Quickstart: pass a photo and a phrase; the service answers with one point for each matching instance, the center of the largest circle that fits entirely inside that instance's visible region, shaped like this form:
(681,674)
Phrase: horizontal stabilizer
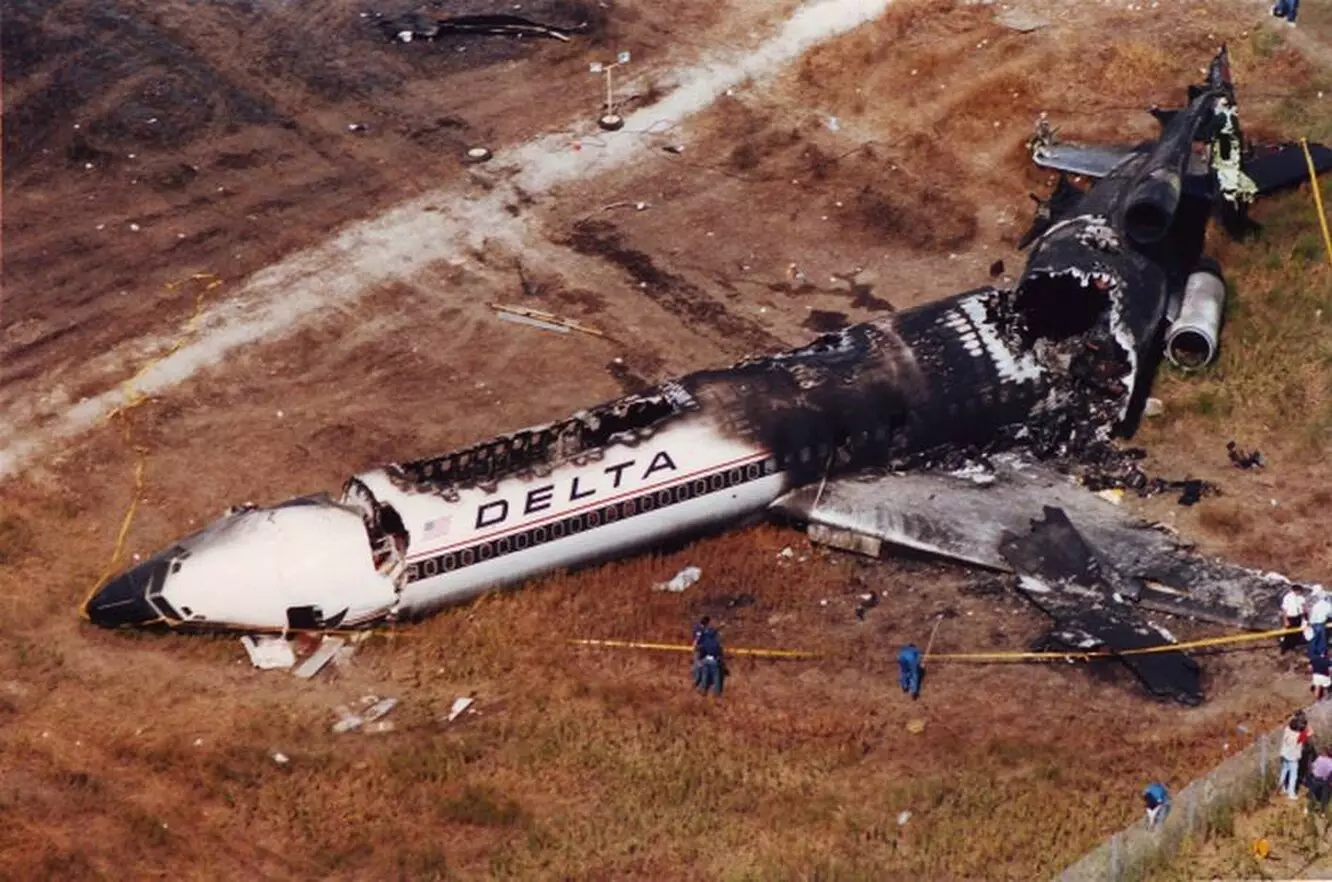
(1087,160)
(1283,166)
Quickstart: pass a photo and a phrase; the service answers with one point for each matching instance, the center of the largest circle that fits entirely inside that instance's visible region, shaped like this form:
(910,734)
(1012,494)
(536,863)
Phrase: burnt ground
(876,172)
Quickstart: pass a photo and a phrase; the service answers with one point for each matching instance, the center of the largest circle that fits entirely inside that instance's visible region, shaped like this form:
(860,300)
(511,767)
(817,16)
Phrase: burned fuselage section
(710,448)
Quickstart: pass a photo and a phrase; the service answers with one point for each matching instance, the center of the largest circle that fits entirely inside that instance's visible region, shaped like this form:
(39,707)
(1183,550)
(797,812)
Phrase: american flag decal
(437,527)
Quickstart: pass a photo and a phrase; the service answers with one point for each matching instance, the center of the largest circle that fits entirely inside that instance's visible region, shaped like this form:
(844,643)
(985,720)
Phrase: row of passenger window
(589,520)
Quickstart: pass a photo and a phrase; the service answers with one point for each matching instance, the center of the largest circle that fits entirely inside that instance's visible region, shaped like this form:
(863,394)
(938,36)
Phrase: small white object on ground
(681,580)
(268,653)
(1153,408)
(379,709)
(902,818)
(280,758)
(460,705)
(347,721)
(320,657)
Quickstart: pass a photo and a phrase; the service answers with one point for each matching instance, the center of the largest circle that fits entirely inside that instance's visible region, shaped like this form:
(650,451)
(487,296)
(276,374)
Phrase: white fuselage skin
(684,478)
(249,569)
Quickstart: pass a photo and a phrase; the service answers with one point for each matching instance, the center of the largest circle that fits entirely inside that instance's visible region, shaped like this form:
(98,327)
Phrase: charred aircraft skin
(1053,367)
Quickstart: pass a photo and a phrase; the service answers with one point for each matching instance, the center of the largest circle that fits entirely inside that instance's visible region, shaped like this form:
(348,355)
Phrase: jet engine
(1192,338)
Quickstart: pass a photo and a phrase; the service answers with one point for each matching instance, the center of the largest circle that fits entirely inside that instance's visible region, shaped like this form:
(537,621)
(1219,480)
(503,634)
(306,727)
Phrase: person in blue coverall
(1157,799)
(909,670)
(710,666)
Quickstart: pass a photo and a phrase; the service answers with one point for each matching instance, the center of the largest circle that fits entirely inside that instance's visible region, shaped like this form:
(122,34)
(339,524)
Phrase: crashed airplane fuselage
(1053,366)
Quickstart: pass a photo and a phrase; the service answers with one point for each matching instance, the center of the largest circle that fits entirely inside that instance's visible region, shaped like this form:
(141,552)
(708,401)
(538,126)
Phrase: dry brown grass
(586,763)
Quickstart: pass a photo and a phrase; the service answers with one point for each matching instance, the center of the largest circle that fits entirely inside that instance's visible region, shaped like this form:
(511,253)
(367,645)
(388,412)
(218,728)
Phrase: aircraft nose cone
(124,600)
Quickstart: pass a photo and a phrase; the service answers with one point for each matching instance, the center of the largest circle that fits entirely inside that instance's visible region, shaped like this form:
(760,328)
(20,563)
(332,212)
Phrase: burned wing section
(1091,603)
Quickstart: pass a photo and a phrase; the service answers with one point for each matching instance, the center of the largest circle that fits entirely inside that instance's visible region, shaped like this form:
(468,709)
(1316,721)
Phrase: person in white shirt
(1319,611)
(1292,616)
(1292,748)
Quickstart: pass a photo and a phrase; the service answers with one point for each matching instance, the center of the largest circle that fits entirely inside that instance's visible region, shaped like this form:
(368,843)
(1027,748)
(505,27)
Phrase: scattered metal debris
(419,26)
(1242,459)
(370,717)
(379,707)
(680,581)
(269,653)
(539,319)
(459,707)
(1022,21)
(347,721)
(315,663)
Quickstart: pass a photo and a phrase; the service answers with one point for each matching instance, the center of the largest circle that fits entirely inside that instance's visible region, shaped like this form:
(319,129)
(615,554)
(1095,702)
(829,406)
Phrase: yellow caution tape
(1318,198)
(133,397)
(1107,653)
(685,647)
(969,656)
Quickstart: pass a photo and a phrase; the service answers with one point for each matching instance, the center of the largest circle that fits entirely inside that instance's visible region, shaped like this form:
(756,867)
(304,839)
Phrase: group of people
(1310,616)
(1302,762)
(709,664)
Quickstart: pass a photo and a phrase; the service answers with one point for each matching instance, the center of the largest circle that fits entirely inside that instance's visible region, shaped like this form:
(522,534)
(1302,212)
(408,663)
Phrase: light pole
(610,120)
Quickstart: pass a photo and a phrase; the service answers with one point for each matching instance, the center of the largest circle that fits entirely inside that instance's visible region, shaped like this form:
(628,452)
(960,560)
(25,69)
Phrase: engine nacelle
(1151,206)
(1191,340)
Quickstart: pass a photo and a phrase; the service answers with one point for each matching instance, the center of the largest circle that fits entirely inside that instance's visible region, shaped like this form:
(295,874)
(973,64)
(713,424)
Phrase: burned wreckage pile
(858,435)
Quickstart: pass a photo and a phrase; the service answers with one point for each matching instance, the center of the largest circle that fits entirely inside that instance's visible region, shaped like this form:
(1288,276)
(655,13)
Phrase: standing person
(1293,738)
(1319,610)
(1320,782)
(1320,669)
(1292,616)
(696,669)
(1157,799)
(712,662)
(908,669)
(1286,9)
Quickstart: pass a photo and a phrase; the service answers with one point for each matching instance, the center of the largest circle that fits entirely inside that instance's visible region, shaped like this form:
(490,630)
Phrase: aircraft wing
(989,517)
